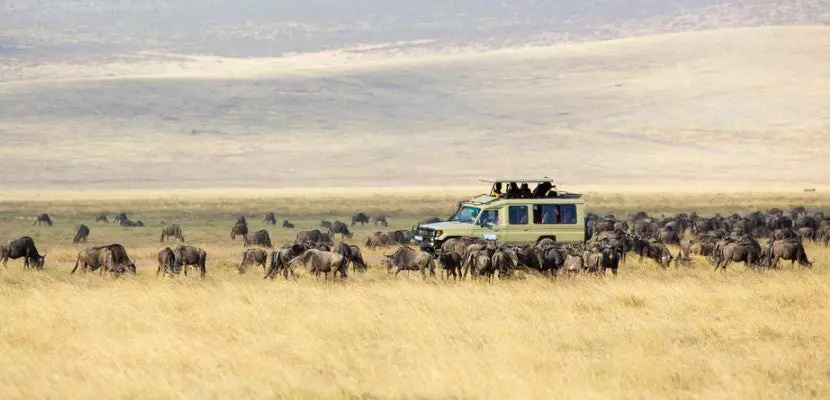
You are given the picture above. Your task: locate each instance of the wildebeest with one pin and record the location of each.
(172, 230)
(239, 229)
(133, 224)
(121, 218)
(114, 258)
(379, 219)
(352, 254)
(601, 258)
(741, 251)
(186, 256)
(313, 237)
(241, 220)
(378, 239)
(258, 238)
(43, 219)
(280, 259)
(361, 218)
(325, 262)
(102, 218)
(270, 218)
(787, 249)
(325, 224)
(286, 224)
(253, 257)
(407, 259)
(23, 247)
(167, 262)
(450, 262)
(341, 228)
(477, 261)
(81, 235)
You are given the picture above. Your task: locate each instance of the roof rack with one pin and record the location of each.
(517, 180)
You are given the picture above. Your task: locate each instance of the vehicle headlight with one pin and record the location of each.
(438, 233)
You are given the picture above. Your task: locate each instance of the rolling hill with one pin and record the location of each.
(733, 106)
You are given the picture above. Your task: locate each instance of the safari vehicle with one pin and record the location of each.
(512, 217)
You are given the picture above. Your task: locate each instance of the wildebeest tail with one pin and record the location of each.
(76, 264)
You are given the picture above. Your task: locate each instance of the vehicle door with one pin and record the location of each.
(517, 229)
(489, 225)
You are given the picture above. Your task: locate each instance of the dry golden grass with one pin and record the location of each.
(685, 332)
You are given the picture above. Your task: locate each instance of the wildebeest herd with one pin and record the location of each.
(610, 241)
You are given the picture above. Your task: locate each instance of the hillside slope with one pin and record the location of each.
(740, 106)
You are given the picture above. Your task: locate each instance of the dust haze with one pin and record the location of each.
(127, 94)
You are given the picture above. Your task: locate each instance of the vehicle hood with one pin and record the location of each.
(445, 225)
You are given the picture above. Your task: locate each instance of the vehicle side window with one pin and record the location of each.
(552, 214)
(490, 217)
(568, 212)
(517, 215)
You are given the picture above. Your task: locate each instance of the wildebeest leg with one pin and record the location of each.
(185, 267)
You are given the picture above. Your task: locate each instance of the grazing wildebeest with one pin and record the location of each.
(186, 256)
(341, 228)
(102, 218)
(407, 259)
(121, 219)
(23, 247)
(378, 239)
(477, 262)
(134, 224)
(504, 261)
(81, 234)
(450, 262)
(361, 218)
(739, 252)
(325, 224)
(167, 262)
(253, 257)
(115, 254)
(172, 230)
(807, 233)
(280, 259)
(319, 261)
(258, 238)
(239, 229)
(313, 237)
(270, 218)
(601, 258)
(353, 255)
(550, 259)
(787, 249)
(43, 219)
(286, 224)
(379, 219)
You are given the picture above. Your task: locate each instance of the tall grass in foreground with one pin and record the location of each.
(685, 332)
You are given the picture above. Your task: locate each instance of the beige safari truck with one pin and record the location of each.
(514, 211)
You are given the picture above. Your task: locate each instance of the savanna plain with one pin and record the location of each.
(682, 332)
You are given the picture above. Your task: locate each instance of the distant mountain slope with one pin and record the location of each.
(739, 106)
(100, 28)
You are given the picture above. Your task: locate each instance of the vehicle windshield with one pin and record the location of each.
(466, 214)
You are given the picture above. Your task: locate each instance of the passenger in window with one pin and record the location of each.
(512, 191)
(541, 190)
(497, 191)
(547, 217)
(525, 192)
